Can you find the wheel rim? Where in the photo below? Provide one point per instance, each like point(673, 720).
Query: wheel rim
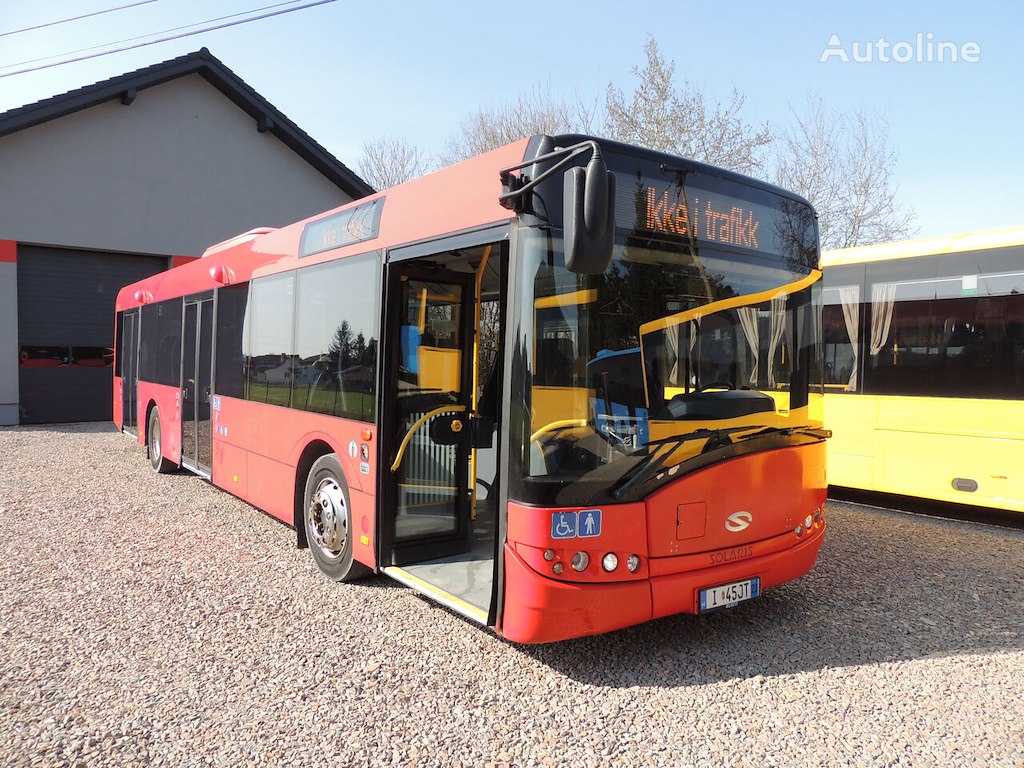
point(154, 439)
point(327, 522)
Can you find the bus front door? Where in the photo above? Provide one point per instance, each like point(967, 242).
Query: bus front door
point(430, 384)
point(438, 461)
point(196, 385)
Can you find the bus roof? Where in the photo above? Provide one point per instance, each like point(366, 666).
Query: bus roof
point(928, 246)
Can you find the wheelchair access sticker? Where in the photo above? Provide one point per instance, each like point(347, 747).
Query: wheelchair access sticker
point(584, 524)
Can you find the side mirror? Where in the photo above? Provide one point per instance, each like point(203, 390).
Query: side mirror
point(589, 217)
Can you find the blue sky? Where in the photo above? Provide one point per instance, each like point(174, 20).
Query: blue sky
point(350, 71)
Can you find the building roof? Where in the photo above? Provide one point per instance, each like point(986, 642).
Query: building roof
point(205, 64)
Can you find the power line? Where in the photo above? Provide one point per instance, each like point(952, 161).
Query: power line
point(166, 39)
point(74, 18)
point(143, 37)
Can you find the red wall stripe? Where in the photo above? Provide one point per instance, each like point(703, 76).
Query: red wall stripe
point(8, 251)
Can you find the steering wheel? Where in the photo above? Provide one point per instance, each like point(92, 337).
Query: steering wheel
point(718, 385)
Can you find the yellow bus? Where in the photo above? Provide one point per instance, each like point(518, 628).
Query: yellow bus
point(924, 368)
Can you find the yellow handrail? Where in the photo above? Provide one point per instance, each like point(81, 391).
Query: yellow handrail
point(419, 423)
point(478, 298)
point(556, 425)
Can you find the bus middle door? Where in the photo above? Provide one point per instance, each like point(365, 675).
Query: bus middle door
point(196, 384)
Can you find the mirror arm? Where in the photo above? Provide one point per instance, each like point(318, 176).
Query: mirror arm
point(514, 187)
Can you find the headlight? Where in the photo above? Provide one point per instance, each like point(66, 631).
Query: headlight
point(633, 563)
point(610, 562)
point(580, 561)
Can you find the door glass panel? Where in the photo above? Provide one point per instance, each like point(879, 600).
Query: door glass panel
point(204, 435)
point(188, 386)
point(430, 400)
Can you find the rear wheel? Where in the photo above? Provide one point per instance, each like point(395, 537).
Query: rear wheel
point(328, 521)
point(156, 452)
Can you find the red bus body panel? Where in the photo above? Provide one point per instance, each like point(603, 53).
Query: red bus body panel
point(168, 400)
point(681, 537)
point(118, 402)
point(257, 448)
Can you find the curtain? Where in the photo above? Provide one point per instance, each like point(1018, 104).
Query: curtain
point(849, 298)
point(748, 321)
point(675, 362)
point(883, 300)
point(778, 327)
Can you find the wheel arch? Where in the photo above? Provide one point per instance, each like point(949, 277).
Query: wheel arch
point(313, 451)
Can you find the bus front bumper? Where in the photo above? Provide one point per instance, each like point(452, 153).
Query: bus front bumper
point(539, 609)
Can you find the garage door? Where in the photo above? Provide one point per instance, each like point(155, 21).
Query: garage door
point(66, 329)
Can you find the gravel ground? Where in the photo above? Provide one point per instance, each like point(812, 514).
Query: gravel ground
point(155, 620)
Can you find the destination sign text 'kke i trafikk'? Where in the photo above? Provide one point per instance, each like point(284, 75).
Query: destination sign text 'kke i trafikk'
point(702, 221)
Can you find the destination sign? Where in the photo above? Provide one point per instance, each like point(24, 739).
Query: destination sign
point(353, 225)
point(702, 208)
point(704, 219)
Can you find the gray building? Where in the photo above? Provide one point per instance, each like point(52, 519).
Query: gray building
point(117, 181)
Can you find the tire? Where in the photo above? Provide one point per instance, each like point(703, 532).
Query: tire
point(157, 460)
point(327, 518)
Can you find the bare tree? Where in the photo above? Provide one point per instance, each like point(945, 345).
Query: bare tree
point(659, 115)
point(388, 161)
point(530, 112)
point(845, 166)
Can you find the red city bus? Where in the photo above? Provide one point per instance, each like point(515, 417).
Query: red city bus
point(563, 387)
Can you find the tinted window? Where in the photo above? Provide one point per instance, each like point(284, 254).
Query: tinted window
point(148, 341)
point(120, 344)
point(966, 347)
point(168, 369)
point(160, 342)
point(267, 340)
point(842, 316)
point(335, 365)
point(941, 326)
point(230, 363)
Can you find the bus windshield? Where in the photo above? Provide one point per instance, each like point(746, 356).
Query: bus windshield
point(679, 355)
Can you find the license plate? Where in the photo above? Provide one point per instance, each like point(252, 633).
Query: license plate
point(728, 595)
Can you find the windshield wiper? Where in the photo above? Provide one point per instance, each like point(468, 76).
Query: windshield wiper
point(821, 434)
point(648, 466)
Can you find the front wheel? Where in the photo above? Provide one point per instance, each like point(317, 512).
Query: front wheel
point(157, 460)
point(328, 521)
